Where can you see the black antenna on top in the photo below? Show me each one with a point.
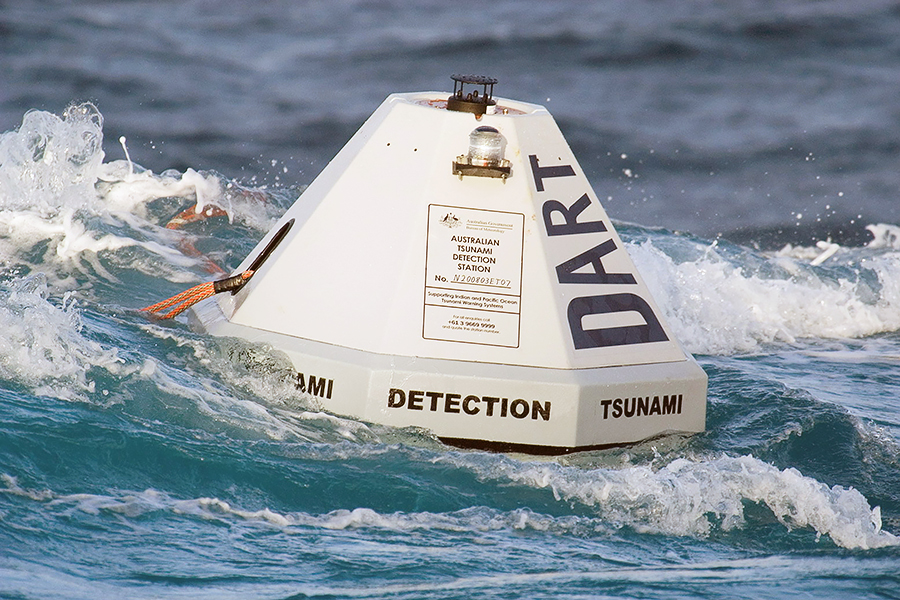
(471, 101)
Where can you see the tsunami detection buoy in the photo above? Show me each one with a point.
(451, 268)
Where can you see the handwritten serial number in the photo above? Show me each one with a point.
(494, 281)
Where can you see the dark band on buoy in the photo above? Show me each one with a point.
(267, 251)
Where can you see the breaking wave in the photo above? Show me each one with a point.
(682, 498)
(722, 299)
(66, 212)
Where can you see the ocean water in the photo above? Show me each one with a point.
(747, 152)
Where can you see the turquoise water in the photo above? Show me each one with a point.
(748, 153)
(140, 459)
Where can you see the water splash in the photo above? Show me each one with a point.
(44, 346)
(723, 300)
(62, 206)
(691, 497)
(683, 498)
(885, 236)
(50, 163)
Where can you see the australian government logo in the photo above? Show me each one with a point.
(450, 220)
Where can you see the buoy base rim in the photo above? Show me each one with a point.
(507, 408)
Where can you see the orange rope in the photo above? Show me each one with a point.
(189, 216)
(192, 296)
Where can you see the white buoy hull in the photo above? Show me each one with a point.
(496, 306)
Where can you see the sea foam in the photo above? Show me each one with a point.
(691, 497)
(58, 196)
(44, 346)
(683, 498)
(734, 301)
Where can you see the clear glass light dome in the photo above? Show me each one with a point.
(486, 146)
